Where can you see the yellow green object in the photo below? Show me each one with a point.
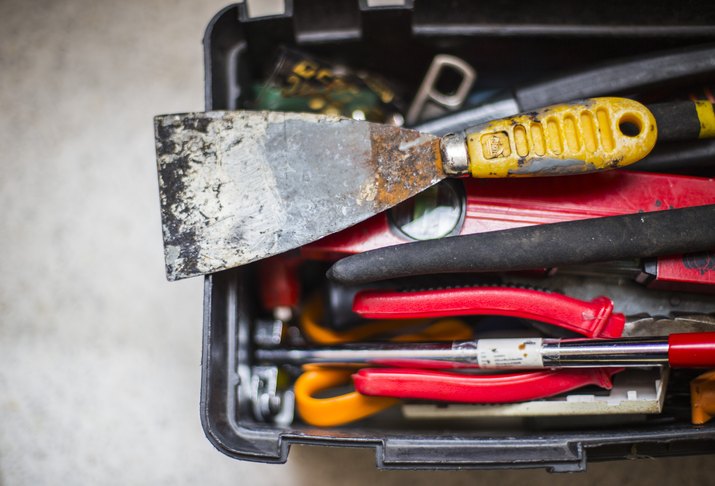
(594, 134)
(706, 117)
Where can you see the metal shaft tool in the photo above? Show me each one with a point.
(236, 187)
(689, 350)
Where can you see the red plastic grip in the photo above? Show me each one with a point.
(692, 350)
(464, 388)
(591, 319)
(278, 281)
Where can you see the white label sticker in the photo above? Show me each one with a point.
(509, 353)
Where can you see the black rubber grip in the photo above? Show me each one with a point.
(680, 158)
(687, 65)
(640, 235)
(676, 120)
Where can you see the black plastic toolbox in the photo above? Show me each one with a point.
(509, 42)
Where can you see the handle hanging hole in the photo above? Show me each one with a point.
(630, 125)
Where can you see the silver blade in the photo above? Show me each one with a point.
(236, 187)
(645, 325)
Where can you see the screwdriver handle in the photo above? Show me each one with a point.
(571, 138)
(692, 350)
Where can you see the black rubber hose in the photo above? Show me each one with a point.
(692, 157)
(676, 120)
(640, 73)
(639, 235)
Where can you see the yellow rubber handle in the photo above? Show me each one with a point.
(572, 138)
(706, 117)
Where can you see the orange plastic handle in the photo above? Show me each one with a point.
(352, 406)
(337, 410)
(702, 397)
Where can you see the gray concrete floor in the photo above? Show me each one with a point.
(99, 355)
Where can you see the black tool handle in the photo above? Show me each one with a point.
(683, 120)
(640, 235)
(679, 158)
(638, 74)
(619, 77)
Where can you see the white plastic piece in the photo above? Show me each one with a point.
(265, 8)
(512, 353)
(635, 391)
(386, 3)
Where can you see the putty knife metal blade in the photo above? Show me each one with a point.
(236, 187)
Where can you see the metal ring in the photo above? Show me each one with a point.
(455, 159)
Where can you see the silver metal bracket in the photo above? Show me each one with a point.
(268, 403)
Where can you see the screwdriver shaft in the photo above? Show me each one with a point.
(522, 353)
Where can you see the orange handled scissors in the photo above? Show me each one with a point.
(352, 406)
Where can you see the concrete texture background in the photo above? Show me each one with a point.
(99, 355)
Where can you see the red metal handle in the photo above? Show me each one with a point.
(692, 350)
(591, 319)
(459, 387)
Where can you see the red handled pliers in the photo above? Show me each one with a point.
(590, 319)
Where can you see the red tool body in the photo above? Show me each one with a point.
(464, 388)
(590, 319)
(594, 319)
(278, 281)
(493, 205)
(496, 204)
(691, 350)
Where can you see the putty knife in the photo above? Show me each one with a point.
(239, 186)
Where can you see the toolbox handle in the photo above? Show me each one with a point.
(591, 319)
